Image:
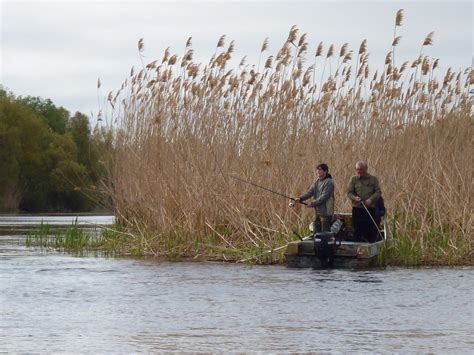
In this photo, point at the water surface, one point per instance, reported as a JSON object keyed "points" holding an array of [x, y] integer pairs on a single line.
{"points": [[53, 302]]}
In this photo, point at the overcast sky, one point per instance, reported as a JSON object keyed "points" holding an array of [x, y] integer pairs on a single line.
{"points": [[58, 49]]}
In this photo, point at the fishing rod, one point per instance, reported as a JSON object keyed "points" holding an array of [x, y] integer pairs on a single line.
{"points": [[272, 250], [375, 224], [269, 190]]}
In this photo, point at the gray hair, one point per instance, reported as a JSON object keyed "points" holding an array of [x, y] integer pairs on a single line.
{"points": [[362, 164]]}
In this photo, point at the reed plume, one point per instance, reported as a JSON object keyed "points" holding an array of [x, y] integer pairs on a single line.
{"points": [[182, 132]]}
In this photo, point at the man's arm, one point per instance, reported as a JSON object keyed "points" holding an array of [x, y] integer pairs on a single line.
{"points": [[351, 191], [377, 191], [307, 194]]}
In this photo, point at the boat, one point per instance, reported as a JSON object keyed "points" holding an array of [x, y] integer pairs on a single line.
{"points": [[337, 248]]}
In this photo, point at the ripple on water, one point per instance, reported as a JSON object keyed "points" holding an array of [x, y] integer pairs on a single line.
{"points": [[52, 302]]}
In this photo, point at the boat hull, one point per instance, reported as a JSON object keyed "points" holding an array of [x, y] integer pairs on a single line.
{"points": [[350, 255], [347, 254]]}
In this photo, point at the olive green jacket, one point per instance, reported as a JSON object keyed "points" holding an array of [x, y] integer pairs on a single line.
{"points": [[364, 187], [323, 193]]}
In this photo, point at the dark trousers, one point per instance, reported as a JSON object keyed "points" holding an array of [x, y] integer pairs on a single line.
{"points": [[321, 223], [364, 228]]}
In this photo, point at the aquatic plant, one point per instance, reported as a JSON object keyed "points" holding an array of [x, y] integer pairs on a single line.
{"points": [[182, 130], [78, 240], [40, 237]]}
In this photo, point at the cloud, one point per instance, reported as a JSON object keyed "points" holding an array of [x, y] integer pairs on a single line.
{"points": [[59, 49]]}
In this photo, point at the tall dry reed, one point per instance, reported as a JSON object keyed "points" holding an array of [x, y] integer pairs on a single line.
{"points": [[182, 130]]}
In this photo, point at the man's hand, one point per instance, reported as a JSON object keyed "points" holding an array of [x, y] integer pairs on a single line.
{"points": [[294, 201], [368, 202], [357, 199]]}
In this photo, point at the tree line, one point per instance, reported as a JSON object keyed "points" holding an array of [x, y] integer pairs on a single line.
{"points": [[50, 160]]}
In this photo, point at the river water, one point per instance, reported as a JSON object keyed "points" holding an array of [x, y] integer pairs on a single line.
{"points": [[55, 302]]}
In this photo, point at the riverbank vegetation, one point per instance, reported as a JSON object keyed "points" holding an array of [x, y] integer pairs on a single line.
{"points": [[79, 240], [50, 161], [186, 136], [183, 130]]}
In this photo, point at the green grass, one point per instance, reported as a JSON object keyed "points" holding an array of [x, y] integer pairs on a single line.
{"points": [[409, 246], [74, 239], [413, 245]]}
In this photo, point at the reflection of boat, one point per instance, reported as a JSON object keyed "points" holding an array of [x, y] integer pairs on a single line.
{"points": [[335, 249]]}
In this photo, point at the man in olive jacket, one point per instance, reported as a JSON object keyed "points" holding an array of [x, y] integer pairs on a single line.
{"points": [[322, 191], [364, 188]]}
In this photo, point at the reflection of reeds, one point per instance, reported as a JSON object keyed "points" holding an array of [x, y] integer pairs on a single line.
{"points": [[182, 128]]}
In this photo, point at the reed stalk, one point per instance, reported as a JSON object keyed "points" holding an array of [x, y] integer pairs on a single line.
{"points": [[181, 129]]}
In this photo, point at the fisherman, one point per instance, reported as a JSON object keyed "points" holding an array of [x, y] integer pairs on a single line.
{"points": [[364, 189], [322, 191]]}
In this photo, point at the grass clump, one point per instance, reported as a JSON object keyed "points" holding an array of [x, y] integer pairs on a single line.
{"points": [[77, 240]]}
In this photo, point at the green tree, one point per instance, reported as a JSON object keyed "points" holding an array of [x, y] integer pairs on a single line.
{"points": [[81, 134], [55, 117], [71, 180], [9, 166], [25, 138], [48, 160]]}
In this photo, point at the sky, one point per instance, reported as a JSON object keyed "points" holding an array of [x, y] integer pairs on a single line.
{"points": [[58, 49]]}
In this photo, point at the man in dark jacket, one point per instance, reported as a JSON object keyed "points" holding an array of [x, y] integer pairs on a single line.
{"points": [[364, 189], [322, 191]]}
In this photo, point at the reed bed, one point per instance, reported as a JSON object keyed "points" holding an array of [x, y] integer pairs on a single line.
{"points": [[183, 130]]}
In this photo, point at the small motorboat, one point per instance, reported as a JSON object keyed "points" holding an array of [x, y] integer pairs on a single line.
{"points": [[337, 248]]}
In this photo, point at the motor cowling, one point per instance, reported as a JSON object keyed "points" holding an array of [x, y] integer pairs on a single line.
{"points": [[325, 245]]}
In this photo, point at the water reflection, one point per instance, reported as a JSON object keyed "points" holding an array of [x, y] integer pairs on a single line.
{"points": [[64, 220]]}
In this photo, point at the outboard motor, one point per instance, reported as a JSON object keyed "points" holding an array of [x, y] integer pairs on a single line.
{"points": [[325, 247]]}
